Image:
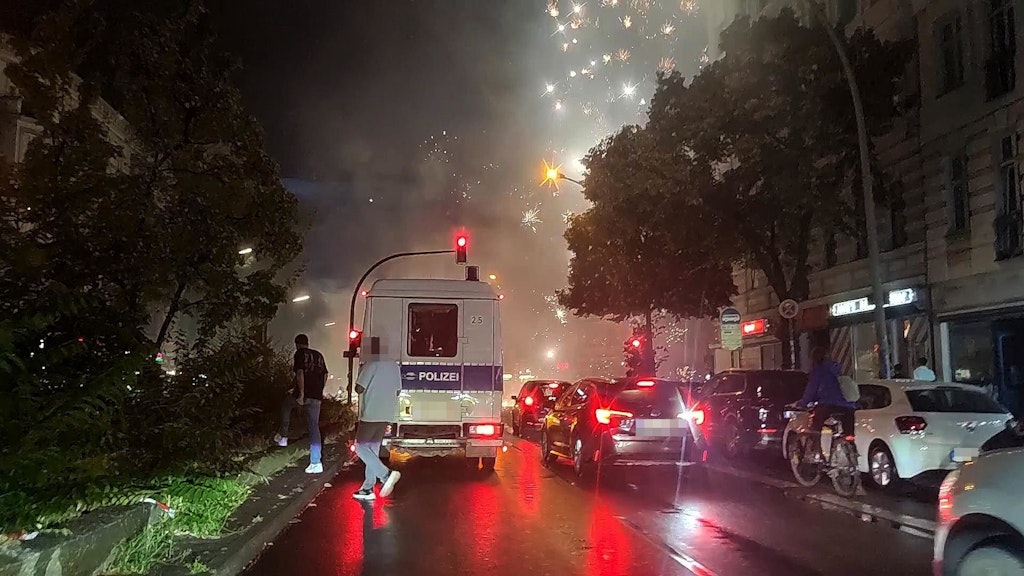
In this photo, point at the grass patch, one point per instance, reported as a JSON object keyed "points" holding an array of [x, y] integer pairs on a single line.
{"points": [[202, 507]]}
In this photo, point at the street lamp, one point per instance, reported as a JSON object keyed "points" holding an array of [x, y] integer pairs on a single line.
{"points": [[550, 354], [302, 298], [553, 173], [245, 251]]}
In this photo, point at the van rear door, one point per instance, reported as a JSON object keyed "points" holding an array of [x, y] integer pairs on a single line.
{"points": [[481, 382], [431, 361]]}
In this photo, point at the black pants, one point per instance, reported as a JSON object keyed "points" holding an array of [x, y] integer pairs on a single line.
{"points": [[822, 412]]}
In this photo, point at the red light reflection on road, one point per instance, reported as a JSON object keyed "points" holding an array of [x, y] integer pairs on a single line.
{"points": [[349, 550], [610, 553], [484, 514], [529, 481]]}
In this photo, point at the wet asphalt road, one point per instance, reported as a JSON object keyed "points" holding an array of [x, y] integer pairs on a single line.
{"points": [[446, 519]]}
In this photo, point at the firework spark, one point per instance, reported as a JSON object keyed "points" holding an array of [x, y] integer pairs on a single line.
{"points": [[531, 218]]}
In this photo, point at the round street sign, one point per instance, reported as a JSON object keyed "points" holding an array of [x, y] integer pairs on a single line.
{"points": [[729, 324], [788, 309]]}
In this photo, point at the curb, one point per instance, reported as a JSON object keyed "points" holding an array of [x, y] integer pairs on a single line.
{"points": [[921, 527], [251, 545]]}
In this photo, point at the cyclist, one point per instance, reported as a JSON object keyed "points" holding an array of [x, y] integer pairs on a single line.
{"points": [[824, 389]]}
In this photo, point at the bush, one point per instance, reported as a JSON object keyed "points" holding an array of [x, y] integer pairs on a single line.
{"points": [[92, 423]]}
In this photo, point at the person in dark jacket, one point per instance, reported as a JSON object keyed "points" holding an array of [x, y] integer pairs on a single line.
{"points": [[824, 389]]}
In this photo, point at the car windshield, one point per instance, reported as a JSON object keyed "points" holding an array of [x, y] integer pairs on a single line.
{"points": [[953, 400], [778, 386]]}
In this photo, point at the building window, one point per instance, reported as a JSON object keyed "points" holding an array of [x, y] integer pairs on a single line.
{"points": [[1000, 71], [433, 330], [970, 353], [959, 194], [1008, 221], [950, 43]]}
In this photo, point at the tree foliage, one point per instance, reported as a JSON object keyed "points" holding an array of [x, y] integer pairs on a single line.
{"points": [[630, 259], [763, 141], [148, 210]]}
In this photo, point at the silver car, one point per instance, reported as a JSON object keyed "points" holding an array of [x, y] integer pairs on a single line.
{"points": [[981, 517]]}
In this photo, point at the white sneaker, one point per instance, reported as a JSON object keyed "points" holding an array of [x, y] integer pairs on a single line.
{"points": [[389, 484], [364, 495], [281, 441], [315, 468]]}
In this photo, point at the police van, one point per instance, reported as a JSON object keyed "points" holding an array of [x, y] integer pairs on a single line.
{"points": [[446, 336]]}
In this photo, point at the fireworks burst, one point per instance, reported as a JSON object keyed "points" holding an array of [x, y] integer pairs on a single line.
{"points": [[531, 218], [567, 216]]}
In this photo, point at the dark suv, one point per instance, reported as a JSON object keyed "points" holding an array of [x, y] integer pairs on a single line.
{"points": [[628, 421], [533, 402], [744, 409]]}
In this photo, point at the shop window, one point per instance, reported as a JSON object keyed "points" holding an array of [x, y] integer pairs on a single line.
{"points": [[433, 330], [865, 352], [970, 353]]}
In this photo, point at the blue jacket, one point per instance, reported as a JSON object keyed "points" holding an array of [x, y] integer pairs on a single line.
{"points": [[823, 387]]}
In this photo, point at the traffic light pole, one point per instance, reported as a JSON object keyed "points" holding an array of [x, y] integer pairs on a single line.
{"points": [[355, 294]]}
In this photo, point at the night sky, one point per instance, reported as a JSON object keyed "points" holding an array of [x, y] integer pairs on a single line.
{"points": [[397, 122]]}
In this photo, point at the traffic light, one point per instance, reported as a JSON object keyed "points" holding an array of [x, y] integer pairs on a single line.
{"points": [[635, 343], [461, 248], [355, 339]]}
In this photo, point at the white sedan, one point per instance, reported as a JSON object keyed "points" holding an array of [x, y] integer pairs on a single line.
{"points": [[905, 427]]}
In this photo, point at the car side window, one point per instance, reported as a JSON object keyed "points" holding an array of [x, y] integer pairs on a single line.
{"points": [[873, 397], [580, 394], [565, 399], [731, 385]]}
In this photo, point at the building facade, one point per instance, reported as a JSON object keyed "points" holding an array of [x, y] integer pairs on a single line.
{"points": [[953, 250]]}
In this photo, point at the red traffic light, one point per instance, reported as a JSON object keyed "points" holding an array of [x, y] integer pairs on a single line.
{"points": [[635, 342], [461, 249], [355, 338]]}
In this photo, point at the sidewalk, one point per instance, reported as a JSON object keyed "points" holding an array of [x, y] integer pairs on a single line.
{"points": [[273, 504], [909, 511]]}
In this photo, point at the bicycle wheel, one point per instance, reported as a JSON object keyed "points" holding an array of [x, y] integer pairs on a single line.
{"points": [[845, 476], [801, 459]]}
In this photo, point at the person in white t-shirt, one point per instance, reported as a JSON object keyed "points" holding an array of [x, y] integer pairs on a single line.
{"points": [[378, 384], [923, 372]]}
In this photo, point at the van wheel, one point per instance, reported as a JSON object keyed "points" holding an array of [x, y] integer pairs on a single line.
{"points": [[487, 463]]}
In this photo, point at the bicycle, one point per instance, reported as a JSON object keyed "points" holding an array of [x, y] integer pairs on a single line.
{"points": [[836, 455]]}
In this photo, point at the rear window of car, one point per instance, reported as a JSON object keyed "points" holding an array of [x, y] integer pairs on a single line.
{"points": [[952, 400], [784, 387], [664, 396], [551, 389]]}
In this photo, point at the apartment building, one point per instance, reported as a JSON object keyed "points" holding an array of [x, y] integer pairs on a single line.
{"points": [[953, 254]]}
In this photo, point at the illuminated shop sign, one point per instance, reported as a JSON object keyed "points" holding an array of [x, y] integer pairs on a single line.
{"points": [[754, 327], [896, 298]]}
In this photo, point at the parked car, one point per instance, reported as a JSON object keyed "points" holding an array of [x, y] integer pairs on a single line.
{"points": [[906, 428], [981, 517], [623, 422], [744, 409], [533, 402]]}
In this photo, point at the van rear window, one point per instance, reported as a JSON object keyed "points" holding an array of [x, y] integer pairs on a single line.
{"points": [[433, 330]]}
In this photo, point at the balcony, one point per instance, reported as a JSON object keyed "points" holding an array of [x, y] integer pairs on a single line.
{"points": [[1008, 236], [1000, 74]]}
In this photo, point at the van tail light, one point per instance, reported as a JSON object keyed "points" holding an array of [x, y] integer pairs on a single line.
{"points": [[528, 400], [910, 424], [485, 430], [645, 384], [605, 416]]}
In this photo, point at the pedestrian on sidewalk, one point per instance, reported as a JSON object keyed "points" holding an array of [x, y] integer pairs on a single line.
{"points": [[309, 371], [378, 385], [923, 372]]}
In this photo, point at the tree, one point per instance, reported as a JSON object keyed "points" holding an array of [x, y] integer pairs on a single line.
{"points": [[627, 260], [149, 212], [764, 141]]}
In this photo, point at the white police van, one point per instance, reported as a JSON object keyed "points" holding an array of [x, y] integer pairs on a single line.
{"points": [[446, 335]]}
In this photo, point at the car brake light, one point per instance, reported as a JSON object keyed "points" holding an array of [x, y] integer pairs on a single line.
{"points": [[910, 424], [697, 416], [604, 416], [528, 400], [645, 384]]}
